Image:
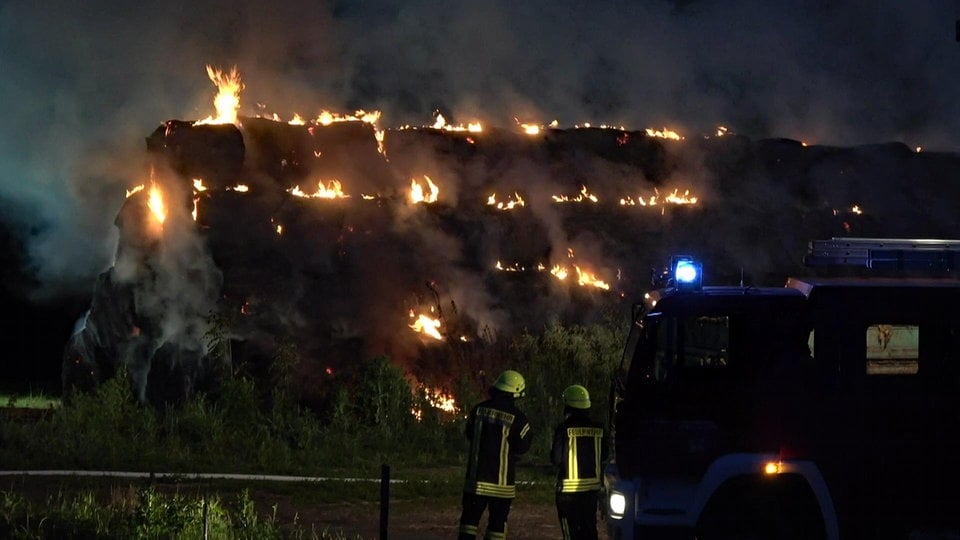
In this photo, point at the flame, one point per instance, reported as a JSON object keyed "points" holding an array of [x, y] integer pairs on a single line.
{"points": [[379, 135], [585, 278], [136, 189], [426, 325], [559, 271], [584, 195], [227, 101], [333, 190], [919, 149], [155, 204], [664, 134], [326, 117], [675, 197], [515, 267], [242, 188], [601, 126], [417, 194], [441, 123], [856, 209], [297, 120], [198, 185], [436, 398], [510, 204], [439, 399], [721, 131]]}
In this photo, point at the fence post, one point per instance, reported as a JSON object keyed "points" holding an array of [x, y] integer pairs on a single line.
{"points": [[384, 499]]}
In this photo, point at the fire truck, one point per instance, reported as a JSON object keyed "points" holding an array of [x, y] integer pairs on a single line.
{"points": [[826, 408]]}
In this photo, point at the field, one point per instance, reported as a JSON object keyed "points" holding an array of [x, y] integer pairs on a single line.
{"points": [[253, 426]]}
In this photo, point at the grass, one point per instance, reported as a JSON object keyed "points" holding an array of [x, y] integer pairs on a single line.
{"points": [[28, 401]]}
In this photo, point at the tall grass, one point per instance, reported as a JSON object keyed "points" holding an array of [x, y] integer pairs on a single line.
{"points": [[145, 513], [258, 427]]}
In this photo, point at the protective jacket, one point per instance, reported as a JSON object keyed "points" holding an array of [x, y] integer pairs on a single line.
{"points": [[579, 448], [498, 432]]}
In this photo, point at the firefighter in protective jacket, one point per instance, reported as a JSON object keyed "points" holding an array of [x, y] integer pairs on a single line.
{"points": [[498, 432], [579, 448]]}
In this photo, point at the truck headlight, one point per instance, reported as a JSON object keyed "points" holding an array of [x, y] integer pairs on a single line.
{"points": [[618, 504]]}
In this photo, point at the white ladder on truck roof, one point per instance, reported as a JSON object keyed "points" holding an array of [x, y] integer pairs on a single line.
{"points": [[885, 253]]}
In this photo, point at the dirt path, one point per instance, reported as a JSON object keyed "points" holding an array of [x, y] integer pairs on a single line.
{"points": [[420, 520]]}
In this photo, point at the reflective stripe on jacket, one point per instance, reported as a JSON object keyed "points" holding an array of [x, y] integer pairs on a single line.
{"points": [[579, 448], [498, 433]]}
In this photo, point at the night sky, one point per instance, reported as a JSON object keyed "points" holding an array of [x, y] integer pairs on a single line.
{"points": [[83, 83]]}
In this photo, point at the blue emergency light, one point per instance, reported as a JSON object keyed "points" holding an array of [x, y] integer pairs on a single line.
{"points": [[687, 273]]}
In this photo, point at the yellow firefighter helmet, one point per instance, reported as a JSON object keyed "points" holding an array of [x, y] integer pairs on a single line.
{"points": [[512, 383], [577, 397]]}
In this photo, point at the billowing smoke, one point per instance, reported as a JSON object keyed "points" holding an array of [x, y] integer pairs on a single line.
{"points": [[83, 82]]}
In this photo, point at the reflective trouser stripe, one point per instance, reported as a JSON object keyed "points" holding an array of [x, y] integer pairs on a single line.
{"points": [[504, 454], [578, 485], [494, 535], [469, 529], [493, 490], [565, 528]]}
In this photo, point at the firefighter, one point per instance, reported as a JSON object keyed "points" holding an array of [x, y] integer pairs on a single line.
{"points": [[579, 448], [498, 432]]}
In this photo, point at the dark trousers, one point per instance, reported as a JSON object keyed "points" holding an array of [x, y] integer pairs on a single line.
{"points": [[473, 507], [578, 515]]}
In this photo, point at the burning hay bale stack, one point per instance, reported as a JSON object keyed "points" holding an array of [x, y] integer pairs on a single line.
{"points": [[424, 243]]}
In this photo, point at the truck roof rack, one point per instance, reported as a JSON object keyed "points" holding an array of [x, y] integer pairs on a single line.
{"points": [[885, 253]]}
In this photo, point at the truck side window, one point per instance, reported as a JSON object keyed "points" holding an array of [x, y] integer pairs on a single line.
{"points": [[663, 357], [893, 349], [706, 341]]}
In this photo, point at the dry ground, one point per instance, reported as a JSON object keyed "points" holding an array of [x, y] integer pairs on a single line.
{"points": [[424, 520]]}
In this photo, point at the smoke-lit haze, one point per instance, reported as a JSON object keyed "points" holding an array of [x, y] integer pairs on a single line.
{"points": [[83, 82]]}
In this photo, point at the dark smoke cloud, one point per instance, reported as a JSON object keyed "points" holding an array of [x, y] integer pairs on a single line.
{"points": [[83, 83]]}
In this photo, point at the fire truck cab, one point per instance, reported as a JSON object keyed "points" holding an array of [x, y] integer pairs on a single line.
{"points": [[827, 408]]}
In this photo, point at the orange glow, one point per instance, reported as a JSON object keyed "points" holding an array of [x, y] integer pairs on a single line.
{"points": [[227, 101], [419, 195], [584, 195], [509, 204], [772, 467], [426, 325]]}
